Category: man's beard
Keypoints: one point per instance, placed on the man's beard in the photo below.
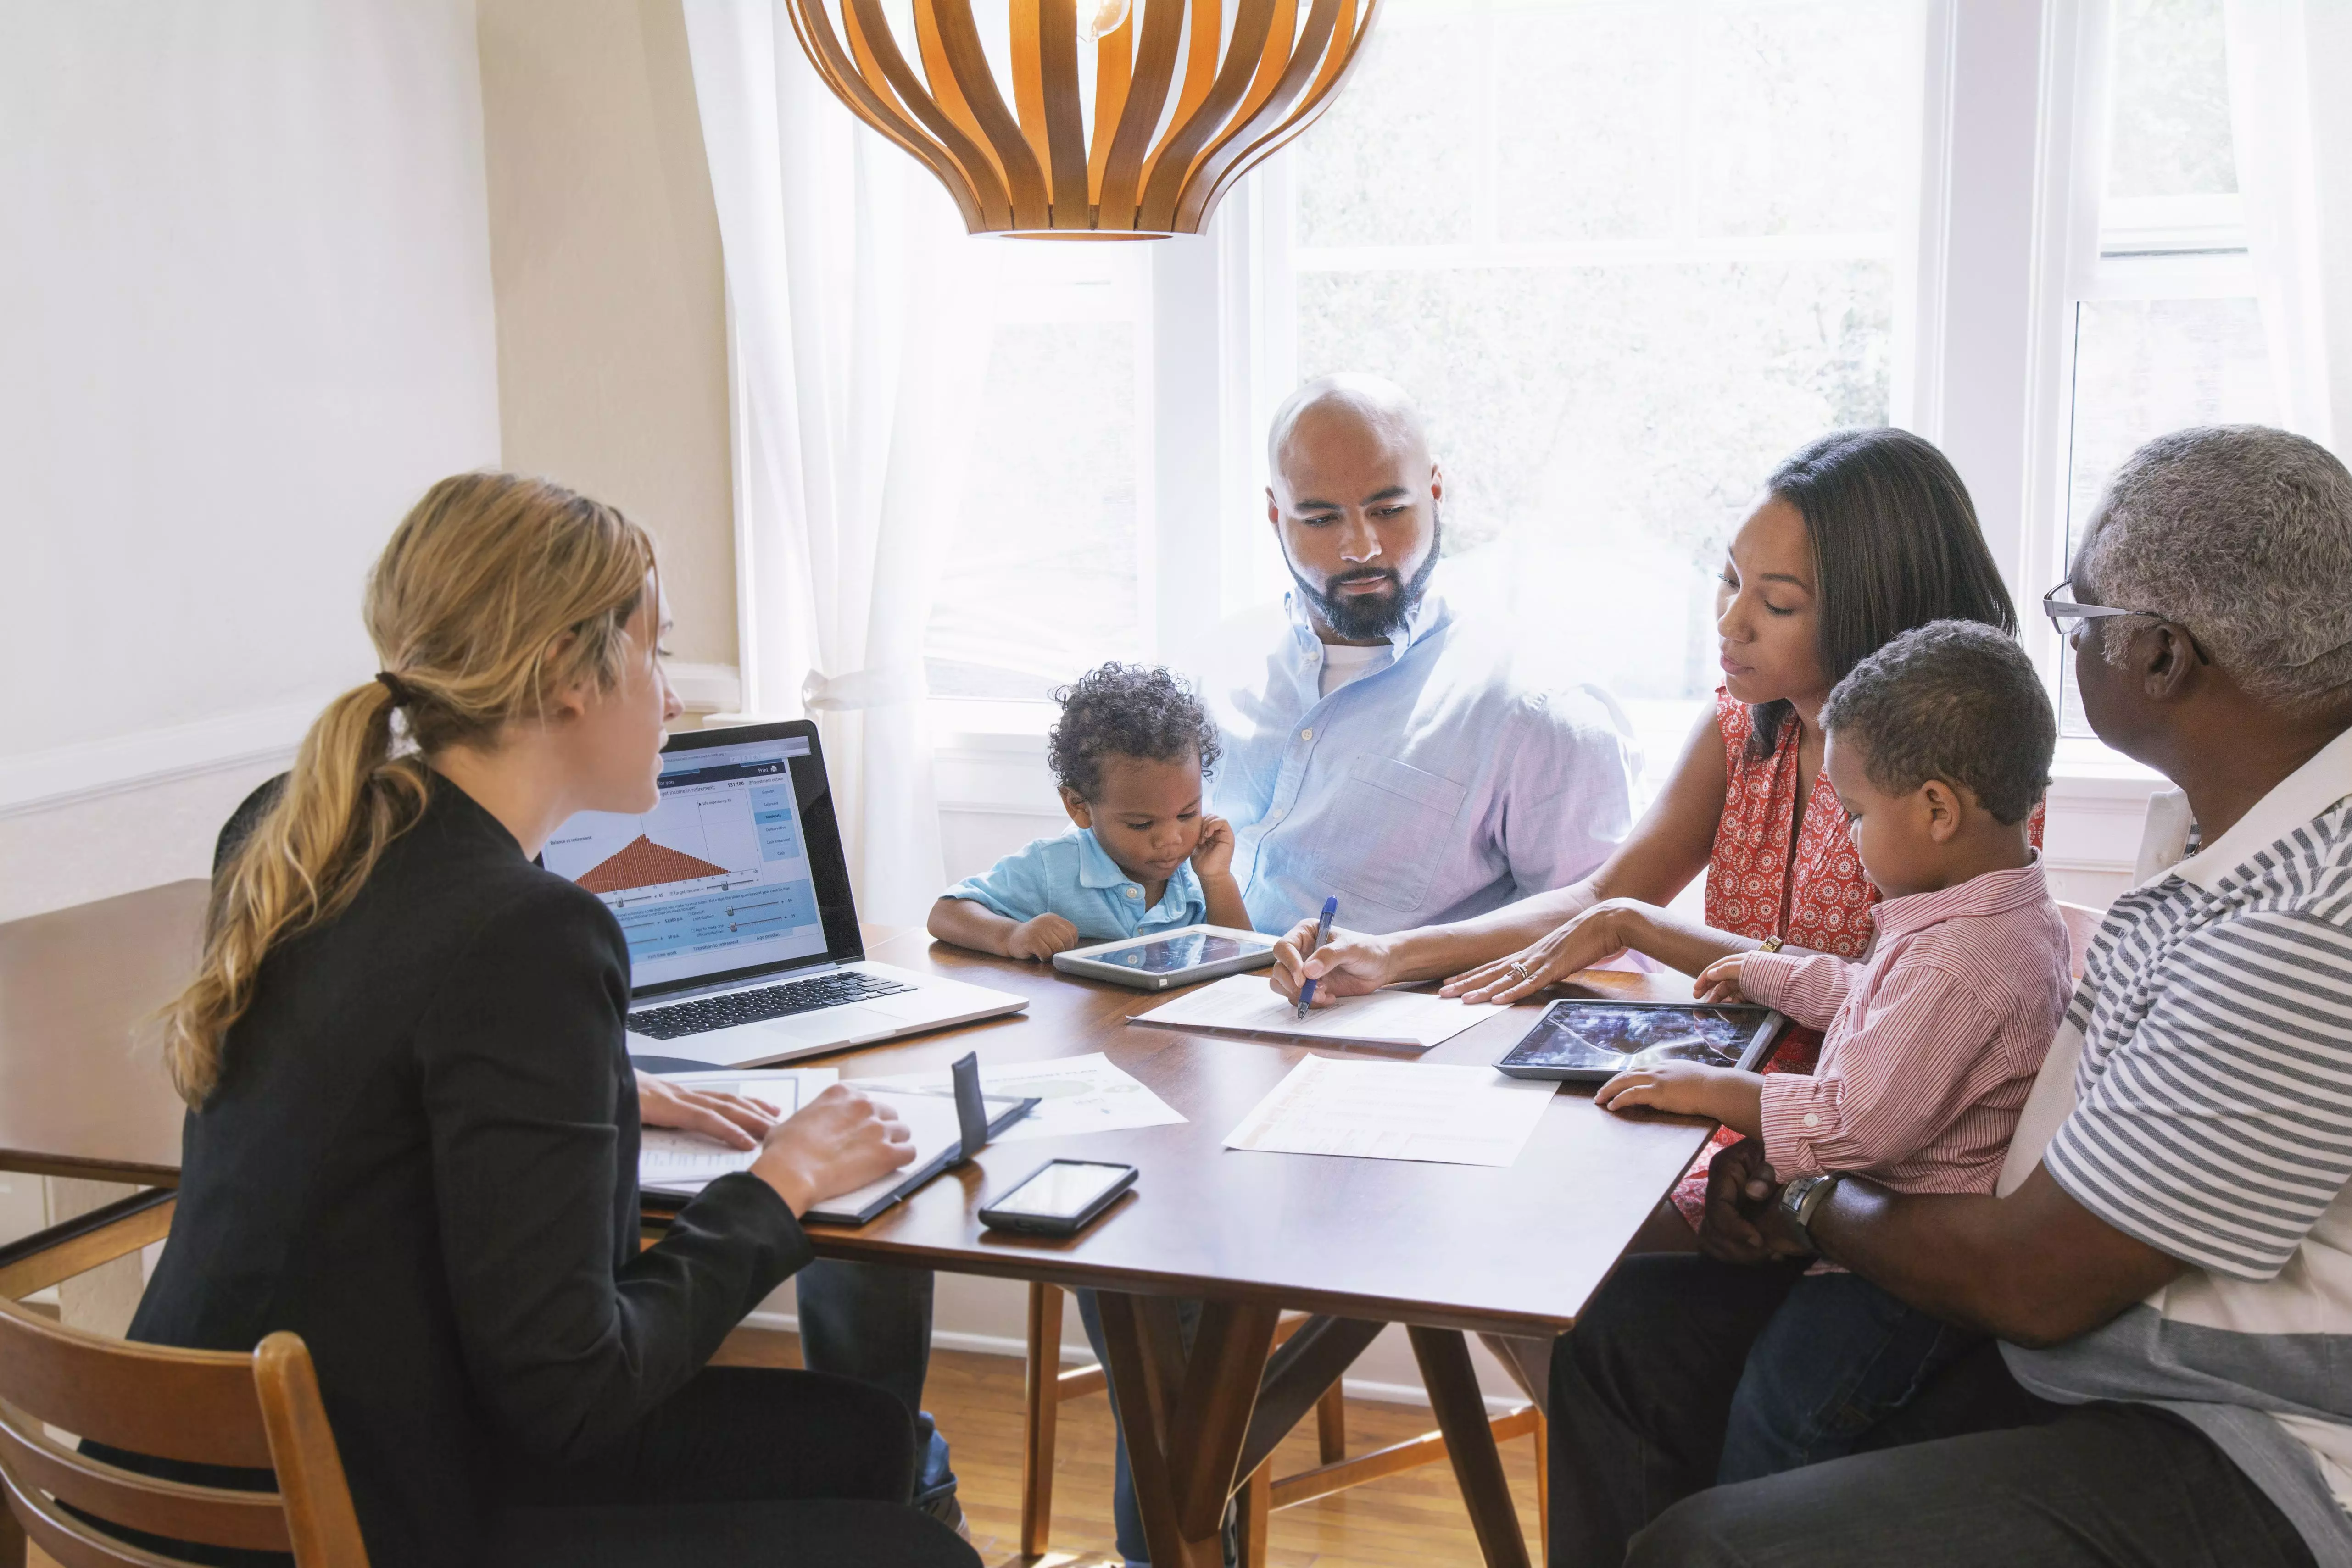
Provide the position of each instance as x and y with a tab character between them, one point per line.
1360	618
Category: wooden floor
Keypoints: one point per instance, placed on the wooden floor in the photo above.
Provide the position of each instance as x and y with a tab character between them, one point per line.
1405	1521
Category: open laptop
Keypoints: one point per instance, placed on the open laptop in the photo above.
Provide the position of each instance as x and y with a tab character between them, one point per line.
734	896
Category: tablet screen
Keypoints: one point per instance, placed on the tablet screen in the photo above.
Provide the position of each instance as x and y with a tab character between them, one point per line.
1167	955
1606	1036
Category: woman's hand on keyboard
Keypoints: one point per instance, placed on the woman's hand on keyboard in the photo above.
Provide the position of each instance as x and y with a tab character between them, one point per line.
837	1143
729	1118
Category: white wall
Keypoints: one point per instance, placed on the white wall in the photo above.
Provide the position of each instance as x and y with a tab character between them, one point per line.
612	308
244	319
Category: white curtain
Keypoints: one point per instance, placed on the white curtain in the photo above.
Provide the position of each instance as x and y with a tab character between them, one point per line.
2294	182
859	321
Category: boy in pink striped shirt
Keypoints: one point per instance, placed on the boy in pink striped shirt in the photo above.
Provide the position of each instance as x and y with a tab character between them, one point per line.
1939	746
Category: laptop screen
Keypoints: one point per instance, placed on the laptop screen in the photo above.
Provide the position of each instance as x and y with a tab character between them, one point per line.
721	877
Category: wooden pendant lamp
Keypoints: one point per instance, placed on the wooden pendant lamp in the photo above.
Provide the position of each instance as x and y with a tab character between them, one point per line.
1161	154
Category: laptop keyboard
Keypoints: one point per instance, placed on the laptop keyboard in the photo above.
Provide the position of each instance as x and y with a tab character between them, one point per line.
707	1013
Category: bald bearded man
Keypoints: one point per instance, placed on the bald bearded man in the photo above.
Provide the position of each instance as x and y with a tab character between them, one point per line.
1389	753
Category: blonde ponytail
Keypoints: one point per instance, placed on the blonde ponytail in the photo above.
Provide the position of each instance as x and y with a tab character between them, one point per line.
494	591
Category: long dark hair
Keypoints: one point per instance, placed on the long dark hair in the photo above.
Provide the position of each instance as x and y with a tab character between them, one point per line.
1895	545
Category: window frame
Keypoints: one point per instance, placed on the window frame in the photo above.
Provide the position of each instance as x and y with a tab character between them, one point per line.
2005	215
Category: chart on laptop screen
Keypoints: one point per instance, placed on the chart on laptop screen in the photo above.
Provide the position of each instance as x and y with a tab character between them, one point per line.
715	877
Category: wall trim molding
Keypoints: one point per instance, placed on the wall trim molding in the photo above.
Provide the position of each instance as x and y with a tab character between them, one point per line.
706	689
92	770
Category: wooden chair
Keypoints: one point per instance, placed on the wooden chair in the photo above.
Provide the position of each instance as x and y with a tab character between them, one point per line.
2083	923
1048	1385
259	1412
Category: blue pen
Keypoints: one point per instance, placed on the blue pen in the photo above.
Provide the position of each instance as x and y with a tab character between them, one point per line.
1322	935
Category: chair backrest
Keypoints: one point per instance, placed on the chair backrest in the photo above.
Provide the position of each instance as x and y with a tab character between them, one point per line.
260	1411
2083	923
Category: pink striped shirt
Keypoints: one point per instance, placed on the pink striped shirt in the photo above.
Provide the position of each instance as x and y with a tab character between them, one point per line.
1931	1042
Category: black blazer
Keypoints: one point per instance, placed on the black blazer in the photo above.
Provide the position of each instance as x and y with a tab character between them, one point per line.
422	1158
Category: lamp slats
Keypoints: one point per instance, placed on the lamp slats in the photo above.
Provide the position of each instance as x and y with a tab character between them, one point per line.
1199	57
1029	74
886	71
946	90
1066	119
967	63
823	46
1263	108
1346	47
1138	116
1114	70
1173	160
1016	149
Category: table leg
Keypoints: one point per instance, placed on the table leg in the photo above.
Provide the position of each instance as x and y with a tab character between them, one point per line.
1453	1384
1042	1396
1185	1417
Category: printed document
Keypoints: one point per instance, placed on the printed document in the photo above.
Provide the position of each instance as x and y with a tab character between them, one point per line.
1420	1018
1074	1094
1396	1111
673	1160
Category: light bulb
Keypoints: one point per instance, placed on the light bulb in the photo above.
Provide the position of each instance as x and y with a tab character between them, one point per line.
1096	17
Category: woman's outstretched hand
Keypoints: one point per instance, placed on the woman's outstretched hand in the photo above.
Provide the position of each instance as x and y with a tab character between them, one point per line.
1348	965
836	1144
1578	943
728	1119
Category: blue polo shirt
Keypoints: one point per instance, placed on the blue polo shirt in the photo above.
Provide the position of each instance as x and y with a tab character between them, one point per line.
1072	877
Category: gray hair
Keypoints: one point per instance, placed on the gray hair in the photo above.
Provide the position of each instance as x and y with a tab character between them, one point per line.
2244	535
1379	402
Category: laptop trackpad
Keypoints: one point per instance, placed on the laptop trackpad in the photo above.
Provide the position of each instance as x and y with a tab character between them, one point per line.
903	1007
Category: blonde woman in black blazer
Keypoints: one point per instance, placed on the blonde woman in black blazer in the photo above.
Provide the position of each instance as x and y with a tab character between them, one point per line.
412	1128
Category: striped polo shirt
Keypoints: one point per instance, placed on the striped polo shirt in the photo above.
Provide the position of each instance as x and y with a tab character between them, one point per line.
2199	1098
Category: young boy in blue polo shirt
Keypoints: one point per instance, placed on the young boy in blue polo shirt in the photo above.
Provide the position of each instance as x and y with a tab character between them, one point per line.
1129	753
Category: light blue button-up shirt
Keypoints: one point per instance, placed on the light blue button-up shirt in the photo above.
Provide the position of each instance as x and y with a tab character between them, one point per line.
1435	786
1074	877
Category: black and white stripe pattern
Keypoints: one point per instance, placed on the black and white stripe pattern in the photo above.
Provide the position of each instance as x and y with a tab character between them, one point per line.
2214	1115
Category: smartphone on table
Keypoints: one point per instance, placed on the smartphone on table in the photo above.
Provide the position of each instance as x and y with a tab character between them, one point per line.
1060	1198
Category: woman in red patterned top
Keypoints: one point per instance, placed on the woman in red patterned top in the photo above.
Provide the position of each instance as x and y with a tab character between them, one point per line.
1860	536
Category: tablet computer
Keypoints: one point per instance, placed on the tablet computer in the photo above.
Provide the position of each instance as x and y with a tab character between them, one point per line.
1591	1040
1167	959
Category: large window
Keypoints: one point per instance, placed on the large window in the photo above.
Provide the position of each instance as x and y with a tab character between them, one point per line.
2166	329
1048	569
1628	256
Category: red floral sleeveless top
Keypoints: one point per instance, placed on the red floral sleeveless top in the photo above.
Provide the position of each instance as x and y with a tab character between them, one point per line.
1818	897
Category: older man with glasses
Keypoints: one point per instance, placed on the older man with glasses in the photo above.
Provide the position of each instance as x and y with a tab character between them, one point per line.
2169	1259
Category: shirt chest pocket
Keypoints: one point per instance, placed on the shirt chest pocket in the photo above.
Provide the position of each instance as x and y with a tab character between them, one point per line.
1390	829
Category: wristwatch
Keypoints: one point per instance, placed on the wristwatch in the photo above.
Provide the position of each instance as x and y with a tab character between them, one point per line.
1771	944
1802	1198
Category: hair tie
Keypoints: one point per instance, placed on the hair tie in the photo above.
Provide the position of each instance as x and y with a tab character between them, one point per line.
401	695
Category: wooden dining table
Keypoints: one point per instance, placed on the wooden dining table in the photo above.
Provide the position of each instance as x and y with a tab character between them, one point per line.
1359	1242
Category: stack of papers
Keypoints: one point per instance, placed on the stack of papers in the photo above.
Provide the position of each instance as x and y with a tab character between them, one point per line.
1418	1019
672	1161
1396	1111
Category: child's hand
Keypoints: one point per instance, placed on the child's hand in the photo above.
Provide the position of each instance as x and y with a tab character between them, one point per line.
1687	1088
1213	856
1041	938
1719	981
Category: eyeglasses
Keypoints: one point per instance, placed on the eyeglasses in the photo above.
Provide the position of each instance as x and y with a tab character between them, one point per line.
2067	614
